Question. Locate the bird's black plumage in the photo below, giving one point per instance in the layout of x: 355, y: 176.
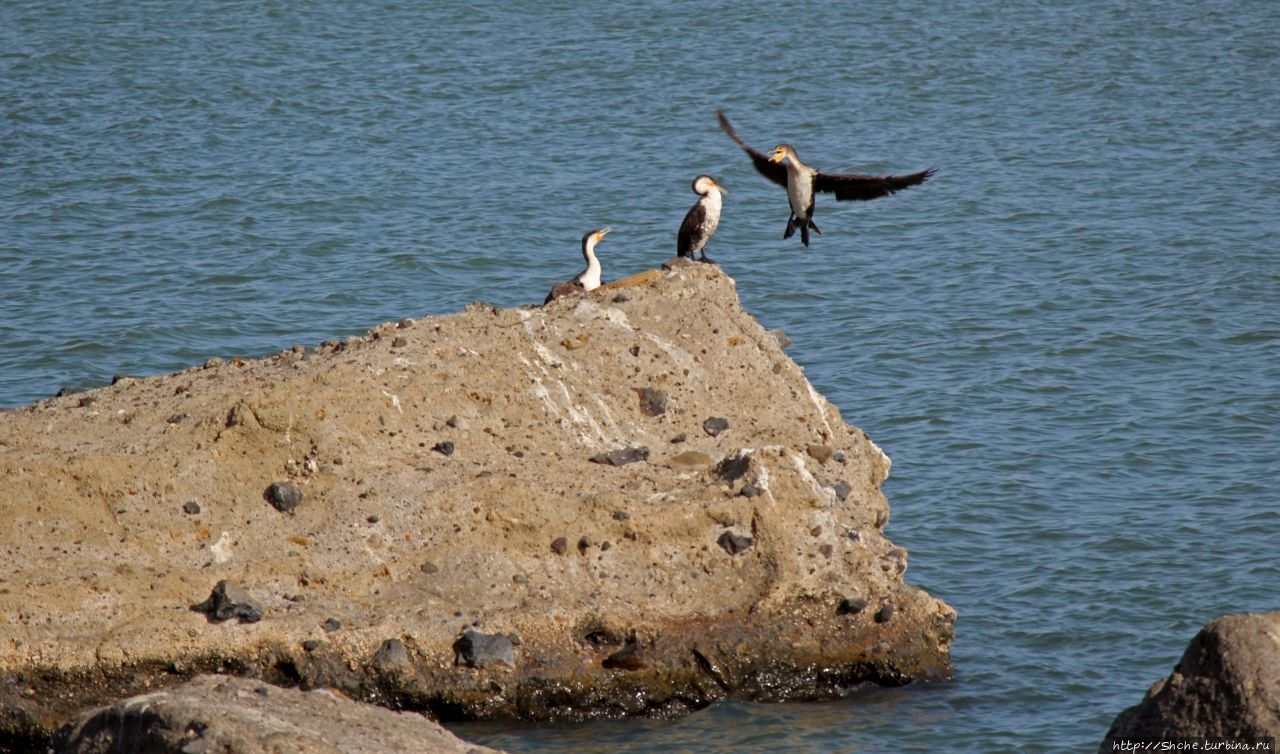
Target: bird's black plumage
x: 803, y: 182
x: 702, y: 219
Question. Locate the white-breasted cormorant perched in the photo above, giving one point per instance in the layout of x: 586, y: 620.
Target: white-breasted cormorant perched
x: 803, y: 182
x: 588, y: 279
x: 702, y: 220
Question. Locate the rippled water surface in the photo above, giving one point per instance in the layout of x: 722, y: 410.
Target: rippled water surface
x: 1068, y: 340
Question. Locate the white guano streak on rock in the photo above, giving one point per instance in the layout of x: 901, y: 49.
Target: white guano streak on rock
x: 576, y: 414
x: 222, y: 548
x: 818, y: 402
x: 395, y: 401
x: 888, y: 462
x: 826, y: 494
x: 589, y: 310
x: 581, y: 416
x: 540, y: 390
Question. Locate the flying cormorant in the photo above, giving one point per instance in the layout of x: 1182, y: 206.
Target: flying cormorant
x: 702, y: 220
x: 588, y: 279
x: 803, y: 182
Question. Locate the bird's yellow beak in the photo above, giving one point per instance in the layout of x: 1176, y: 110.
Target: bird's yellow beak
x: 778, y: 155
x: 601, y: 233
x: 719, y: 188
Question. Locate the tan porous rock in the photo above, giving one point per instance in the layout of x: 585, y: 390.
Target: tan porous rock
x: 212, y: 713
x: 639, y: 473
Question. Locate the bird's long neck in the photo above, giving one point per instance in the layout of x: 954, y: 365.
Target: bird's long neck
x: 712, y: 201
x: 795, y: 165
x: 590, y: 277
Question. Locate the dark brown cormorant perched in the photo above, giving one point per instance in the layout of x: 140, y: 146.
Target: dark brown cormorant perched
x: 702, y: 220
x: 803, y: 182
x: 588, y: 279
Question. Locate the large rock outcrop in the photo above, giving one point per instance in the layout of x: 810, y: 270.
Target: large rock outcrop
x: 1226, y: 686
x: 627, y: 503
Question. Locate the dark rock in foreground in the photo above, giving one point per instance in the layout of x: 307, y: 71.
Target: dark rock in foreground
x: 1226, y: 686
x: 213, y: 713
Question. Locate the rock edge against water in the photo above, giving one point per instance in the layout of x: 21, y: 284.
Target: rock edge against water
x: 367, y: 504
x: 1226, y: 686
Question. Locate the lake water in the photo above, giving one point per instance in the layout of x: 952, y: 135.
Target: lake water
x: 1068, y: 340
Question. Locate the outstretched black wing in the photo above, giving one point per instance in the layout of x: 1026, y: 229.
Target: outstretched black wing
x: 774, y: 171
x: 853, y: 187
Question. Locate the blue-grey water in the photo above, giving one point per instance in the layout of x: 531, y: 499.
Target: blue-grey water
x: 1068, y: 340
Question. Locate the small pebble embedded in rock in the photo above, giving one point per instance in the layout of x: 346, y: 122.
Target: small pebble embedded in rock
x: 330, y: 625
x: 842, y: 490
x: 851, y: 605
x: 621, y: 457
x: 820, y: 453
x: 230, y: 601
x: 443, y: 448
x: 191, y: 507
x: 653, y: 402
x: 392, y: 656
x: 560, y: 546
x: 884, y: 614
x: 715, y: 425
x: 627, y: 658
x: 734, y: 468
x: 691, y: 459
x: 734, y: 543
x: 477, y: 650
x: 283, y: 496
